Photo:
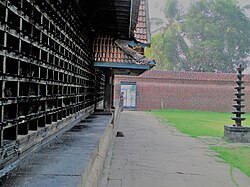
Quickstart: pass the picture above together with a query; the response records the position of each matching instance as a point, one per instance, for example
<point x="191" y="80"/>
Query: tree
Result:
<point x="168" y="47"/>
<point x="219" y="32"/>
<point x="157" y="53"/>
<point x="213" y="36"/>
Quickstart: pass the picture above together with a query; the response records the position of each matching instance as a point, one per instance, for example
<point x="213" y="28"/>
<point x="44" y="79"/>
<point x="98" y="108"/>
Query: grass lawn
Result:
<point x="199" y="123"/>
<point x="237" y="157"/>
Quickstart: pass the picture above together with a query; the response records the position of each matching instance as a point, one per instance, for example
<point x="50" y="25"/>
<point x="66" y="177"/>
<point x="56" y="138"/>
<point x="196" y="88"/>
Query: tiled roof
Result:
<point x="141" y="32"/>
<point x="106" y="49"/>
<point x="199" y="76"/>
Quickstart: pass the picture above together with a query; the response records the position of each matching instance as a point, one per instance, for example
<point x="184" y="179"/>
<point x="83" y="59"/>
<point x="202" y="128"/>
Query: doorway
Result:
<point x="129" y="90"/>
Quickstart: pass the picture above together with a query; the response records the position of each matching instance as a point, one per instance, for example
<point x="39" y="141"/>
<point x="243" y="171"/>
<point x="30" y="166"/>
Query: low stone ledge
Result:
<point x="94" y="169"/>
<point x="75" y="158"/>
<point x="237" y="134"/>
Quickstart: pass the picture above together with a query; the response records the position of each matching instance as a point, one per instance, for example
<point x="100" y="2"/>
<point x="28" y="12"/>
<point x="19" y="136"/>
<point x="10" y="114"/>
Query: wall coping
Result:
<point x="190" y="76"/>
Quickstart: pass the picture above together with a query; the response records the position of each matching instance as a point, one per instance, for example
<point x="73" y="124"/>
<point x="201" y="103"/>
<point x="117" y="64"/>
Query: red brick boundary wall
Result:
<point x="185" y="90"/>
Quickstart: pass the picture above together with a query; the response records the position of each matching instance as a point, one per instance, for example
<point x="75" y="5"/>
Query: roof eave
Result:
<point x="122" y="65"/>
<point x="148" y="23"/>
<point x="132" y="18"/>
<point x="143" y="44"/>
<point x="148" y="42"/>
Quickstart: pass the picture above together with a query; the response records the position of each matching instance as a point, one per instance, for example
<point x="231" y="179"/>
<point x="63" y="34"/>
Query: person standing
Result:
<point x="121" y="102"/>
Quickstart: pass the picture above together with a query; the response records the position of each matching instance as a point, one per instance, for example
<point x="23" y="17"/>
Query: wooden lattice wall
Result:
<point x="46" y="72"/>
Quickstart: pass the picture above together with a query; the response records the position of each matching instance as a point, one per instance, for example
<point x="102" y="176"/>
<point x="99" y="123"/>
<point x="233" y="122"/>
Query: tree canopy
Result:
<point x="168" y="47"/>
<point x="213" y="36"/>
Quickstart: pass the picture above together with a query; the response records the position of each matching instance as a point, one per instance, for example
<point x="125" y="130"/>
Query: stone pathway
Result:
<point x="154" y="155"/>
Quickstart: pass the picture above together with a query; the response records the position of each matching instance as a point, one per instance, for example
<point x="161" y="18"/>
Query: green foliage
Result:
<point x="237" y="157"/>
<point x="213" y="36"/>
<point x="169" y="49"/>
<point x="157" y="53"/>
<point x="219" y="32"/>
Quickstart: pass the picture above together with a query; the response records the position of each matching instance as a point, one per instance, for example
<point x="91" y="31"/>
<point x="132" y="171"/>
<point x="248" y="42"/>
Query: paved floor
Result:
<point x="153" y="155"/>
<point x="62" y="162"/>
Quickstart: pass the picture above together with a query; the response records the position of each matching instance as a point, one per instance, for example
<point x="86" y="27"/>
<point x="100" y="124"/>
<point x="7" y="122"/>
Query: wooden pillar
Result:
<point x="113" y="89"/>
<point x="108" y="90"/>
<point x="95" y="97"/>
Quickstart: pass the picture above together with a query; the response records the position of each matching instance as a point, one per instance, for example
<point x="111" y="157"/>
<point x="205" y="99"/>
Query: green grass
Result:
<point x="198" y="123"/>
<point x="237" y="157"/>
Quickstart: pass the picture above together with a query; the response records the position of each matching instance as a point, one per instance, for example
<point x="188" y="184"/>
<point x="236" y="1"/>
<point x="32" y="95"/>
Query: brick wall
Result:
<point x="185" y="90"/>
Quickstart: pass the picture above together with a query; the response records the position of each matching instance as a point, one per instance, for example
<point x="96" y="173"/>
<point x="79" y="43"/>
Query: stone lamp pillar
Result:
<point x="237" y="132"/>
<point x="238" y="106"/>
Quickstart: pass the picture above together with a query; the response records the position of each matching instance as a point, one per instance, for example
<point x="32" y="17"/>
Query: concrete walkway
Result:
<point x="154" y="155"/>
<point x="64" y="161"/>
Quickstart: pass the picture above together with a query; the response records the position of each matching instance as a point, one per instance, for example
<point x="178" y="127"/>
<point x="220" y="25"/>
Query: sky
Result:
<point x="154" y="8"/>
